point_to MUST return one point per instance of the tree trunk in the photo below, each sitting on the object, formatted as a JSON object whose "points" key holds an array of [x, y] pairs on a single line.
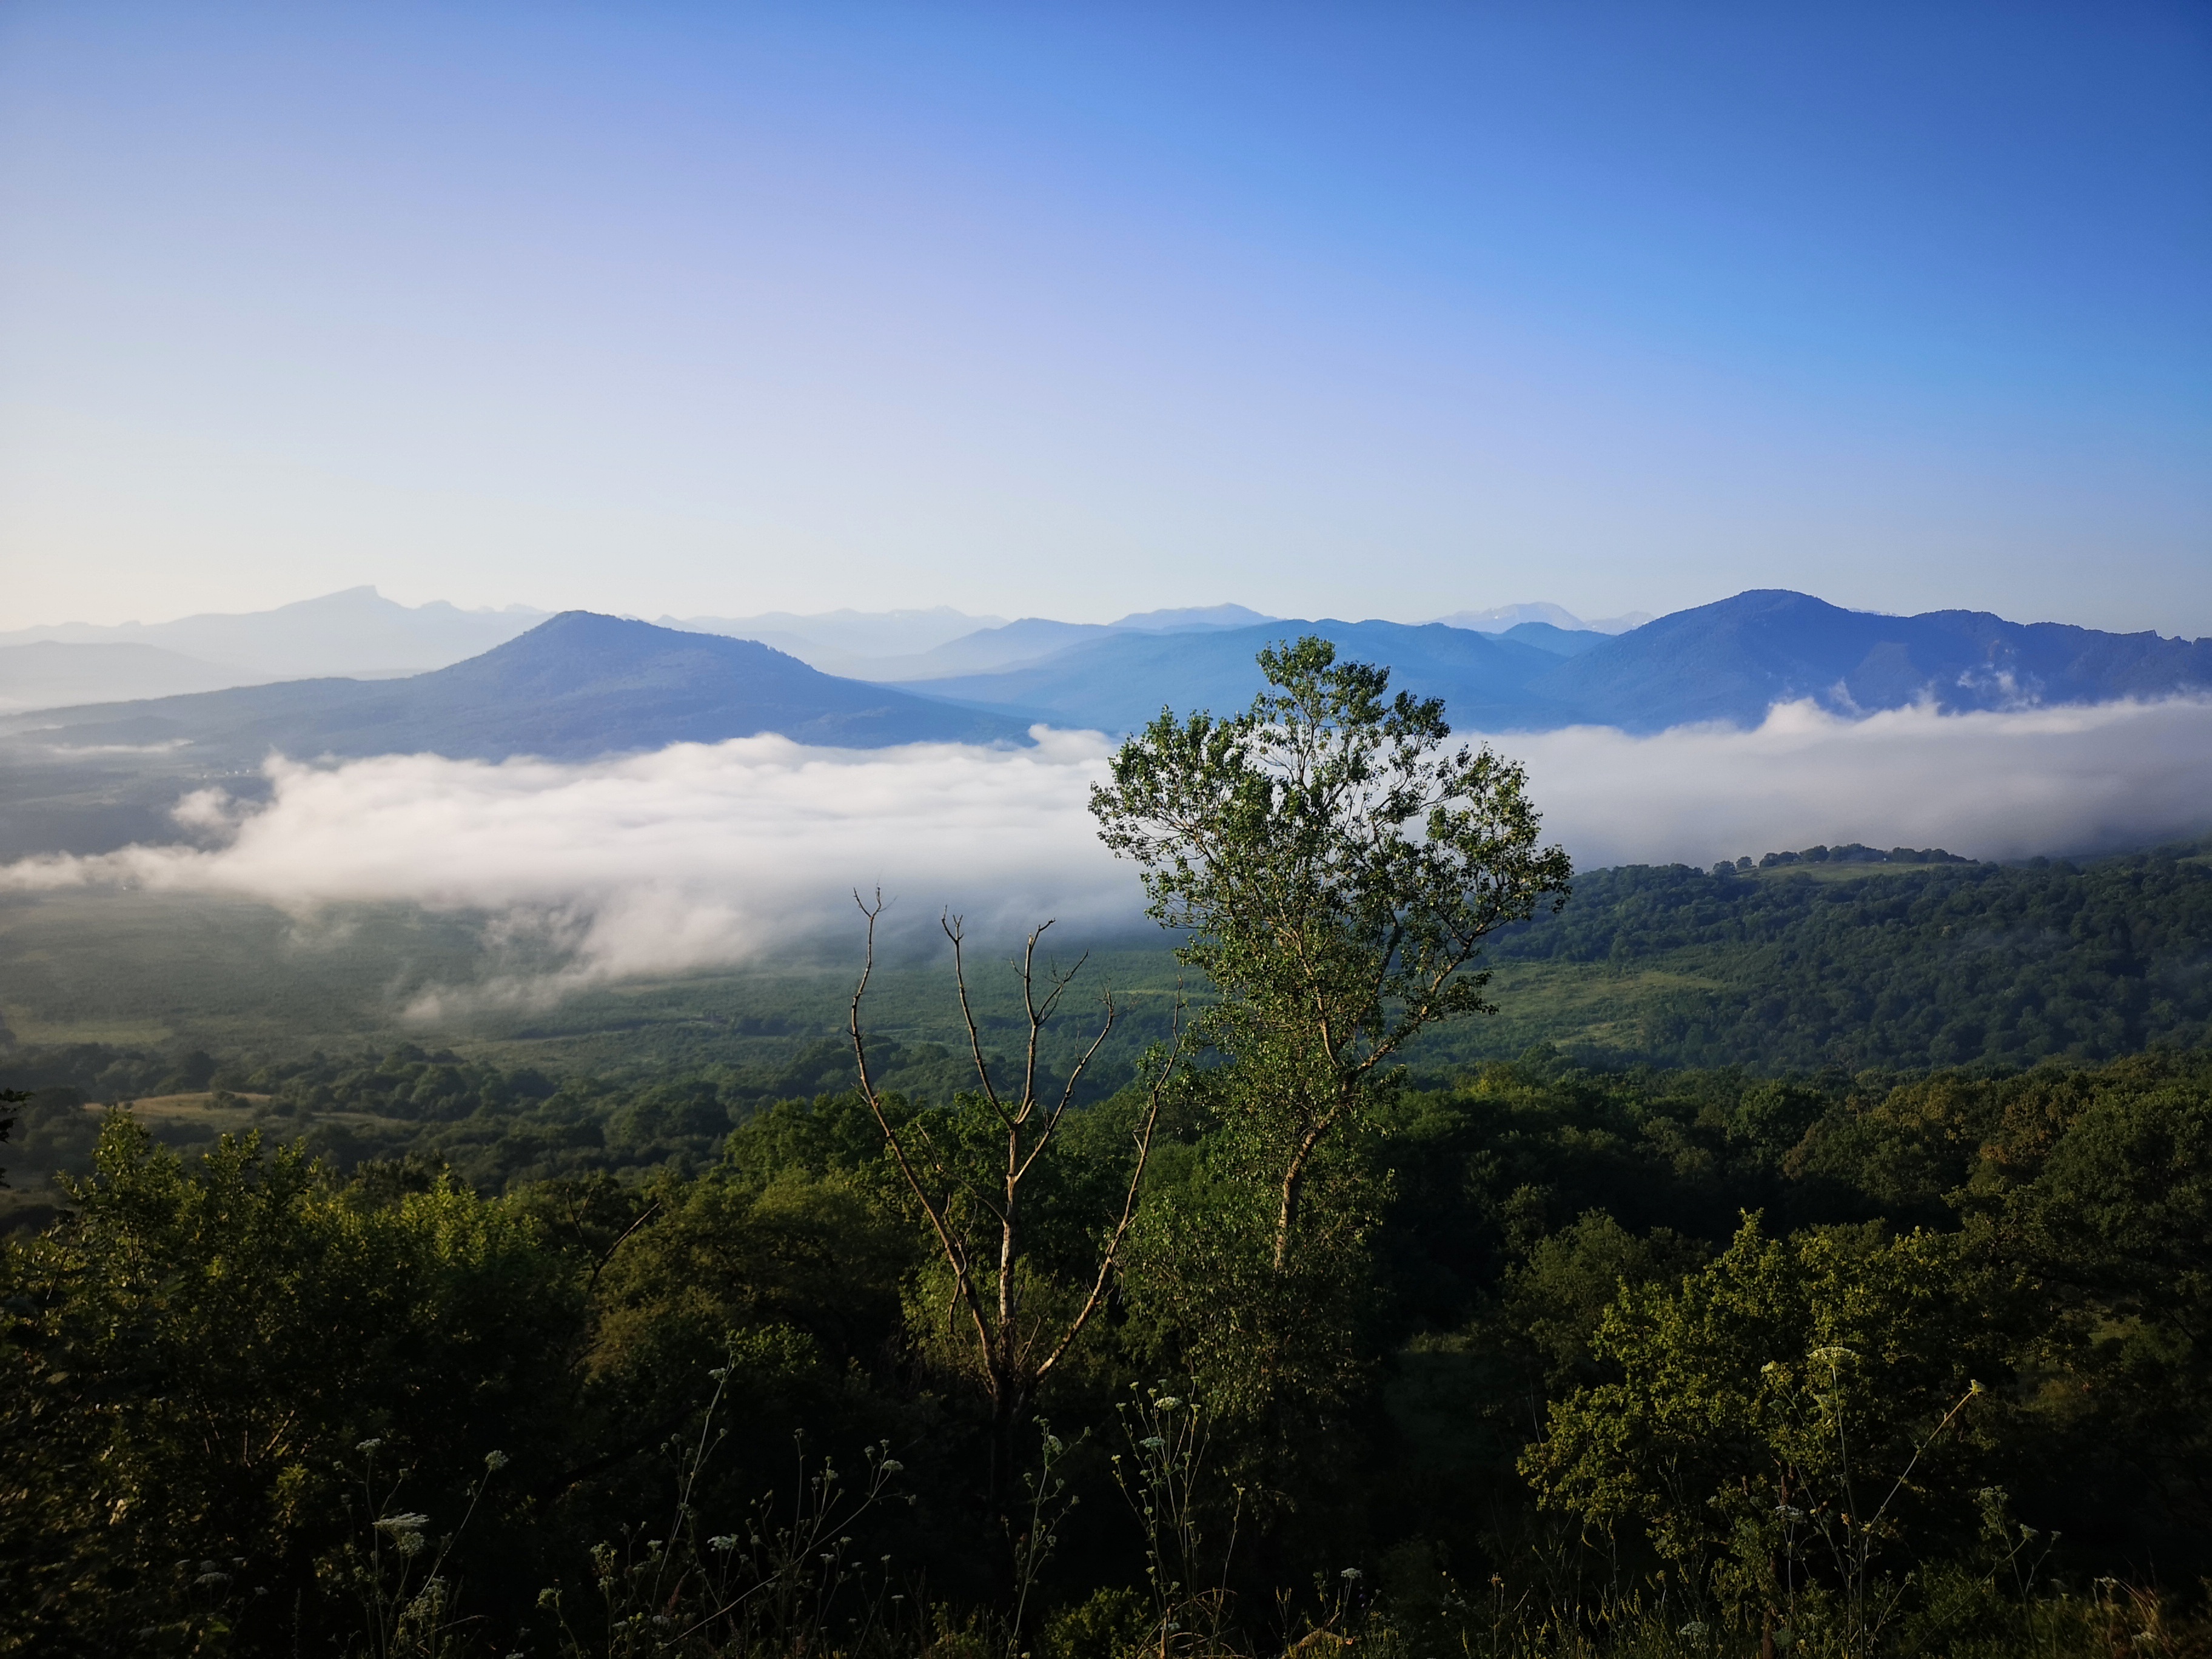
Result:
{"points": [[1294, 1181]]}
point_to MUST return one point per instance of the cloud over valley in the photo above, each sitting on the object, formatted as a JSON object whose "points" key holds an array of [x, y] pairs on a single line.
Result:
{"points": [[699, 855]]}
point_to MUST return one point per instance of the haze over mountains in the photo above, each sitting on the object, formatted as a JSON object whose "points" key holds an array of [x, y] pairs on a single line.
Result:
{"points": [[576, 686], [50, 672], [360, 634], [355, 632], [580, 684], [1731, 661], [93, 776]]}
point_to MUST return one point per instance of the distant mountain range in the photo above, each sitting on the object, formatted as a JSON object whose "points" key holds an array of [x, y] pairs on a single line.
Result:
{"points": [[579, 684], [360, 634], [1034, 639], [1121, 680], [842, 641], [356, 632], [1499, 618], [1731, 661], [576, 686], [923, 645]]}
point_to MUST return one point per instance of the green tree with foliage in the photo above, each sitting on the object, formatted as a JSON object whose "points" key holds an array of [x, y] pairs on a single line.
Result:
{"points": [[190, 1363], [1336, 868], [1787, 1424]]}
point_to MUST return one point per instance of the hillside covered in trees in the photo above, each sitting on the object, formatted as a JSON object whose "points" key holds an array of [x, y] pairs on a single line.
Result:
{"points": [[1810, 959]]}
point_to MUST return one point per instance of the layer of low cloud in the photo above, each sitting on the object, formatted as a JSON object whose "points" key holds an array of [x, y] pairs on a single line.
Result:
{"points": [[701, 855], [693, 856], [1992, 785]]}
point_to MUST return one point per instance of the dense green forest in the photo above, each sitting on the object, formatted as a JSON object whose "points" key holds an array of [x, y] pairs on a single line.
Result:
{"points": [[225, 1370], [1273, 1318], [1810, 962]]}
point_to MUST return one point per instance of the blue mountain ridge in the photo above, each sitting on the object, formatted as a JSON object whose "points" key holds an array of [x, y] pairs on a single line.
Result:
{"points": [[581, 684], [1120, 682], [1728, 662], [1733, 660], [578, 685], [1560, 641]]}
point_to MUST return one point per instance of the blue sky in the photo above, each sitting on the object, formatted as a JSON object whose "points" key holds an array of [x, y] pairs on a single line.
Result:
{"points": [[1354, 310]]}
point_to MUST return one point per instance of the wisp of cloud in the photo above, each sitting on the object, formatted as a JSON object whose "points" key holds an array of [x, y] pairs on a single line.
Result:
{"points": [[707, 855]]}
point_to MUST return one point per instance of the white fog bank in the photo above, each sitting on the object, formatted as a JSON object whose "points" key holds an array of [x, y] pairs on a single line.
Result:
{"points": [[1989, 786], [700, 855], [695, 855]]}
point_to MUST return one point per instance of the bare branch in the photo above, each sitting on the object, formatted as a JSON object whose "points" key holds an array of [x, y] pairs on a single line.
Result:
{"points": [[1036, 1020], [954, 1256], [1067, 1092], [599, 1266], [1155, 1096], [956, 931]]}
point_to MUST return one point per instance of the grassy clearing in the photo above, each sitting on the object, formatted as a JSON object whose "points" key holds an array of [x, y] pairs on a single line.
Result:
{"points": [[216, 1109]]}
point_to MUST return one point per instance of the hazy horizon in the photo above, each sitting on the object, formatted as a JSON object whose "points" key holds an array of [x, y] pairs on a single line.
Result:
{"points": [[981, 620]]}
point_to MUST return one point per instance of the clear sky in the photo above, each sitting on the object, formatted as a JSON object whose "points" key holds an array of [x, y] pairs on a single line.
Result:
{"points": [[1361, 310]]}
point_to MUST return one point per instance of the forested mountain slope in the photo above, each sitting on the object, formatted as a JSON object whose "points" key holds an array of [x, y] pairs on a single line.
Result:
{"points": [[1815, 963]]}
